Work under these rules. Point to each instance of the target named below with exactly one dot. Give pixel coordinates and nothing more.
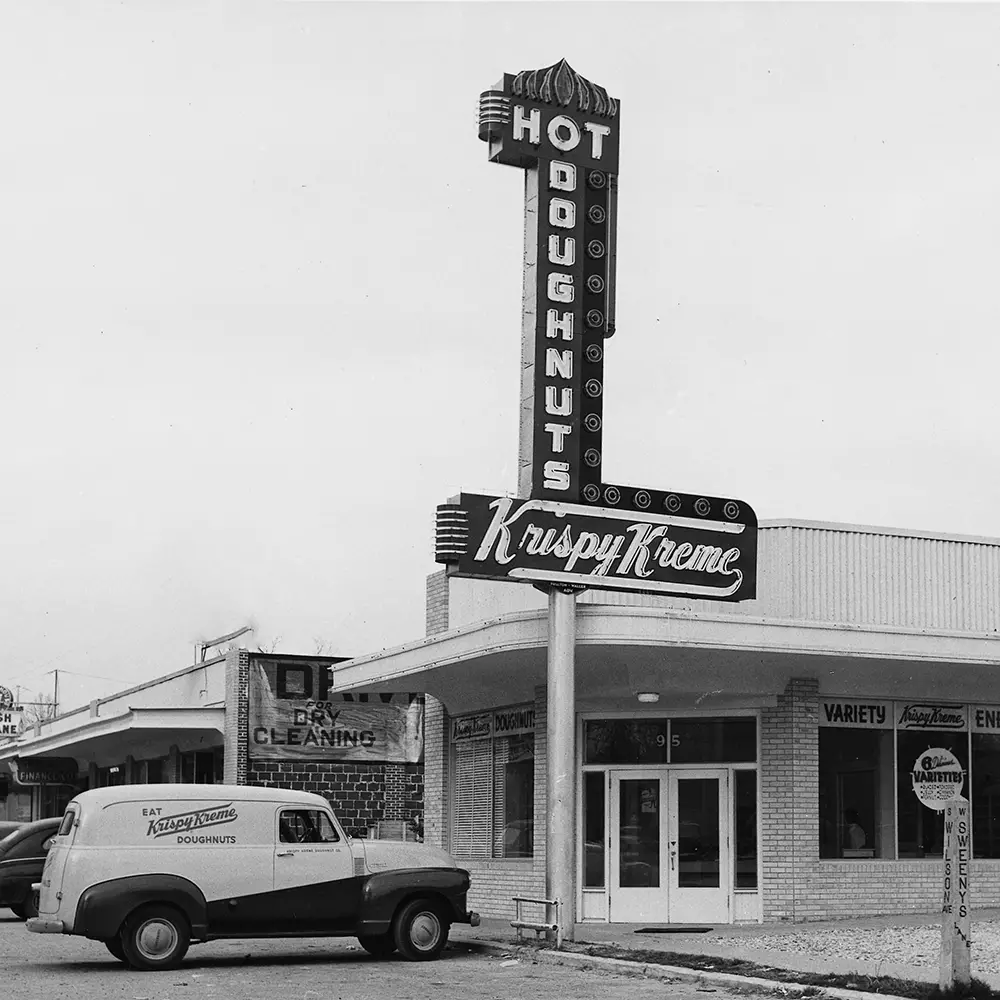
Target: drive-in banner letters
(293, 714)
(713, 555)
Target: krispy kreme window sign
(857, 713)
(514, 721)
(926, 715)
(567, 525)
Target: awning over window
(140, 732)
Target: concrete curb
(653, 970)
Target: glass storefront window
(670, 741)
(745, 826)
(492, 791)
(514, 796)
(698, 847)
(593, 829)
(625, 741)
(639, 833)
(985, 795)
(713, 741)
(921, 830)
(855, 793)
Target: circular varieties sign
(937, 777)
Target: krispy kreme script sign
(543, 540)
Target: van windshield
(67, 822)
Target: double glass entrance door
(670, 850)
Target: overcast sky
(260, 296)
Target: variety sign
(288, 720)
(569, 526)
(856, 714)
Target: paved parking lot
(44, 967)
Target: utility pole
(55, 693)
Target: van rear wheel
(378, 945)
(420, 930)
(155, 937)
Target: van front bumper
(39, 925)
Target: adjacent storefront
(241, 718)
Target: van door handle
(284, 854)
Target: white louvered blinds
(472, 798)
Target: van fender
(384, 892)
(102, 908)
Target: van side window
(67, 822)
(305, 826)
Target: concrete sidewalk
(749, 942)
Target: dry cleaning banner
(292, 717)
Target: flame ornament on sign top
(559, 84)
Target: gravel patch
(918, 946)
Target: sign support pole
(561, 766)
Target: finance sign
(569, 526)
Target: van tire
(114, 945)
(28, 907)
(378, 945)
(155, 936)
(420, 930)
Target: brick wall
(436, 763)
(437, 603)
(237, 724)
(789, 779)
(359, 793)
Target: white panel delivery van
(148, 869)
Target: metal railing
(538, 926)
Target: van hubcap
(156, 939)
(425, 931)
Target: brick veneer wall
(436, 764)
(359, 793)
(437, 603)
(237, 724)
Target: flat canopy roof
(145, 729)
(713, 660)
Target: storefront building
(243, 718)
(739, 762)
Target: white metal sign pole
(956, 945)
(561, 772)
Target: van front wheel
(114, 945)
(155, 937)
(420, 930)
